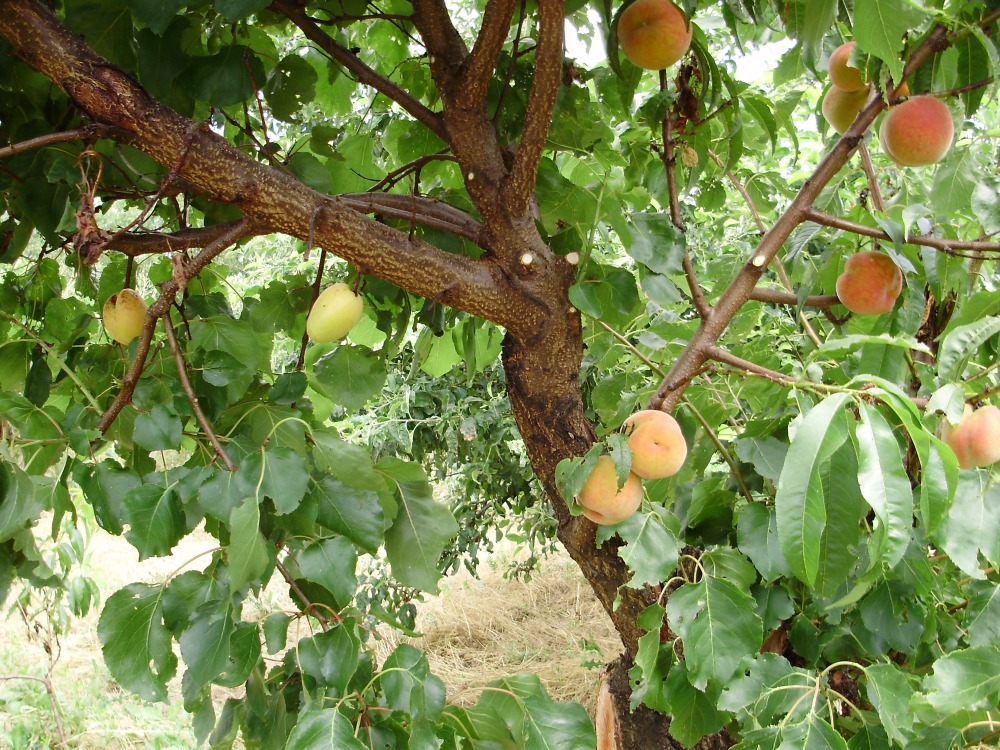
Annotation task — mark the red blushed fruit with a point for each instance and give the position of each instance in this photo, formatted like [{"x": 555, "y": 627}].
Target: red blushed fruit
[
  {"x": 870, "y": 283},
  {"x": 654, "y": 34},
  {"x": 917, "y": 132},
  {"x": 843, "y": 75}
]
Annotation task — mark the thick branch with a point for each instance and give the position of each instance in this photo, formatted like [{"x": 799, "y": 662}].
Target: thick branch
[
  {"x": 939, "y": 243},
  {"x": 153, "y": 243},
  {"x": 520, "y": 184},
  {"x": 477, "y": 70},
  {"x": 777, "y": 297},
  {"x": 271, "y": 200},
  {"x": 366, "y": 75},
  {"x": 425, "y": 211}
]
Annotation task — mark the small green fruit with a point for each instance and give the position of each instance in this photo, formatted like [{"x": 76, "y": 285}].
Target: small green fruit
[{"x": 334, "y": 314}]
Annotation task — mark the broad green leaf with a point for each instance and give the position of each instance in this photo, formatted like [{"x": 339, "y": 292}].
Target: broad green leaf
[
  {"x": 764, "y": 686},
  {"x": 244, "y": 655},
  {"x": 421, "y": 529},
  {"x": 962, "y": 679},
  {"x": 817, "y": 16},
  {"x": 812, "y": 734},
  {"x": 234, "y": 10},
  {"x": 350, "y": 375},
  {"x": 278, "y": 473},
  {"x": 155, "y": 518},
  {"x": 331, "y": 657},
  {"x": 955, "y": 182},
  {"x": 276, "y": 631},
  {"x": 322, "y": 728},
  {"x": 19, "y": 506},
  {"x": 880, "y": 27},
  {"x": 136, "y": 645},
  {"x": 693, "y": 713},
  {"x": 205, "y": 645},
  {"x": 870, "y": 737},
  {"x": 885, "y": 486},
  {"x": 158, "y": 430},
  {"x": 356, "y": 514},
  {"x": 729, "y": 564},
  {"x": 766, "y": 454},
  {"x": 650, "y": 550},
  {"x": 247, "y": 555},
  {"x": 351, "y": 464},
  {"x": 757, "y": 536},
  {"x": 409, "y": 686},
  {"x": 972, "y": 526},
  {"x": 960, "y": 345},
  {"x": 799, "y": 502},
  {"x": 157, "y": 14},
  {"x": 331, "y": 564},
  {"x": 657, "y": 243},
  {"x": 186, "y": 592},
  {"x": 839, "y": 546},
  {"x": 982, "y": 616},
  {"x": 890, "y": 692},
  {"x": 653, "y": 661},
  {"x": 533, "y": 719},
  {"x": 719, "y": 627},
  {"x": 105, "y": 486},
  {"x": 227, "y": 77}
]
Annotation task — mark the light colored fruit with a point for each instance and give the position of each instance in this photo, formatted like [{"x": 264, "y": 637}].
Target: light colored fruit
[
  {"x": 917, "y": 132},
  {"x": 840, "y": 107},
  {"x": 602, "y": 501},
  {"x": 842, "y": 75},
  {"x": 124, "y": 315},
  {"x": 654, "y": 34},
  {"x": 870, "y": 283},
  {"x": 657, "y": 444},
  {"x": 976, "y": 438},
  {"x": 334, "y": 313}
]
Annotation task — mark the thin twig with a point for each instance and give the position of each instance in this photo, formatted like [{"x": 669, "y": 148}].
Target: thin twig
[
  {"x": 719, "y": 446},
  {"x": 220, "y": 451},
  {"x": 86, "y": 133},
  {"x": 53, "y": 700},
  {"x": 866, "y": 164}
]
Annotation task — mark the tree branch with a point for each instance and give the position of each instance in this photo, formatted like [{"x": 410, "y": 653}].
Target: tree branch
[
  {"x": 271, "y": 200},
  {"x": 939, "y": 243},
  {"x": 85, "y": 133},
  {"x": 777, "y": 297},
  {"x": 366, "y": 75},
  {"x": 477, "y": 70},
  {"x": 192, "y": 396},
  {"x": 415, "y": 208},
  {"x": 154, "y": 243},
  {"x": 519, "y": 185}
]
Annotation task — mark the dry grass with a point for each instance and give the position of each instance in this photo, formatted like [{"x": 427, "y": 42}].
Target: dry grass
[{"x": 477, "y": 630}]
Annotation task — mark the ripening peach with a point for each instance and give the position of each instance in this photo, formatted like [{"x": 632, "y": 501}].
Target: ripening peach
[
  {"x": 840, "y": 107},
  {"x": 654, "y": 34},
  {"x": 870, "y": 283},
  {"x": 842, "y": 75},
  {"x": 334, "y": 313},
  {"x": 657, "y": 444},
  {"x": 976, "y": 438},
  {"x": 917, "y": 132},
  {"x": 124, "y": 315},
  {"x": 602, "y": 501}
]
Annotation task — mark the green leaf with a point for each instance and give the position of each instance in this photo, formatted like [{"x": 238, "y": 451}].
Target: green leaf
[
  {"x": 757, "y": 536},
  {"x": 532, "y": 719},
  {"x": 885, "y": 486},
  {"x": 136, "y": 645},
  {"x": 869, "y": 737},
  {"x": 982, "y": 616},
  {"x": 247, "y": 556},
  {"x": 105, "y": 486},
  {"x": 350, "y": 375},
  {"x": 811, "y": 734},
  {"x": 955, "y": 182},
  {"x": 421, "y": 529},
  {"x": 880, "y": 27},
  {"x": 693, "y": 714},
  {"x": 841, "y": 540},
  {"x": 234, "y": 10},
  {"x": 961, "y": 343},
  {"x": 817, "y": 18},
  {"x": 205, "y": 645},
  {"x": 356, "y": 514},
  {"x": 19, "y": 506},
  {"x": 972, "y": 525},
  {"x": 719, "y": 626},
  {"x": 799, "y": 502},
  {"x": 962, "y": 679},
  {"x": 890, "y": 692},
  {"x": 331, "y": 564},
  {"x": 158, "y": 430},
  {"x": 278, "y": 473},
  {"x": 657, "y": 243},
  {"x": 321, "y": 728},
  {"x": 763, "y": 682},
  {"x": 157, "y": 14},
  {"x": 409, "y": 686},
  {"x": 351, "y": 464},
  {"x": 330, "y": 658},
  {"x": 156, "y": 521},
  {"x": 227, "y": 77},
  {"x": 650, "y": 550}
]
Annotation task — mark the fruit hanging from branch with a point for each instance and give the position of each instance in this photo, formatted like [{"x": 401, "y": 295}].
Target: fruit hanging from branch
[
  {"x": 842, "y": 74},
  {"x": 334, "y": 313},
  {"x": 123, "y": 315},
  {"x": 654, "y": 34},
  {"x": 917, "y": 132},
  {"x": 603, "y": 502},
  {"x": 870, "y": 283},
  {"x": 657, "y": 444},
  {"x": 976, "y": 437},
  {"x": 840, "y": 107}
]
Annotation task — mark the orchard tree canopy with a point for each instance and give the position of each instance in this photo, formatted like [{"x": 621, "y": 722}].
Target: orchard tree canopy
[{"x": 585, "y": 236}]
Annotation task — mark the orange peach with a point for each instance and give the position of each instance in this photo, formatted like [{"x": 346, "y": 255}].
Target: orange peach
[
  {"x": 917, "y": 132},
  {"x": 654, "y": 34},
  {"x": 840, "y": 107},
  {"x": 976, "y": 438},
  {"x": 602, "y": 501},
  {"x": 657, "y": 444},
  {"x": 870, "y": 283},
  {"x": 842, "y": 75}
]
